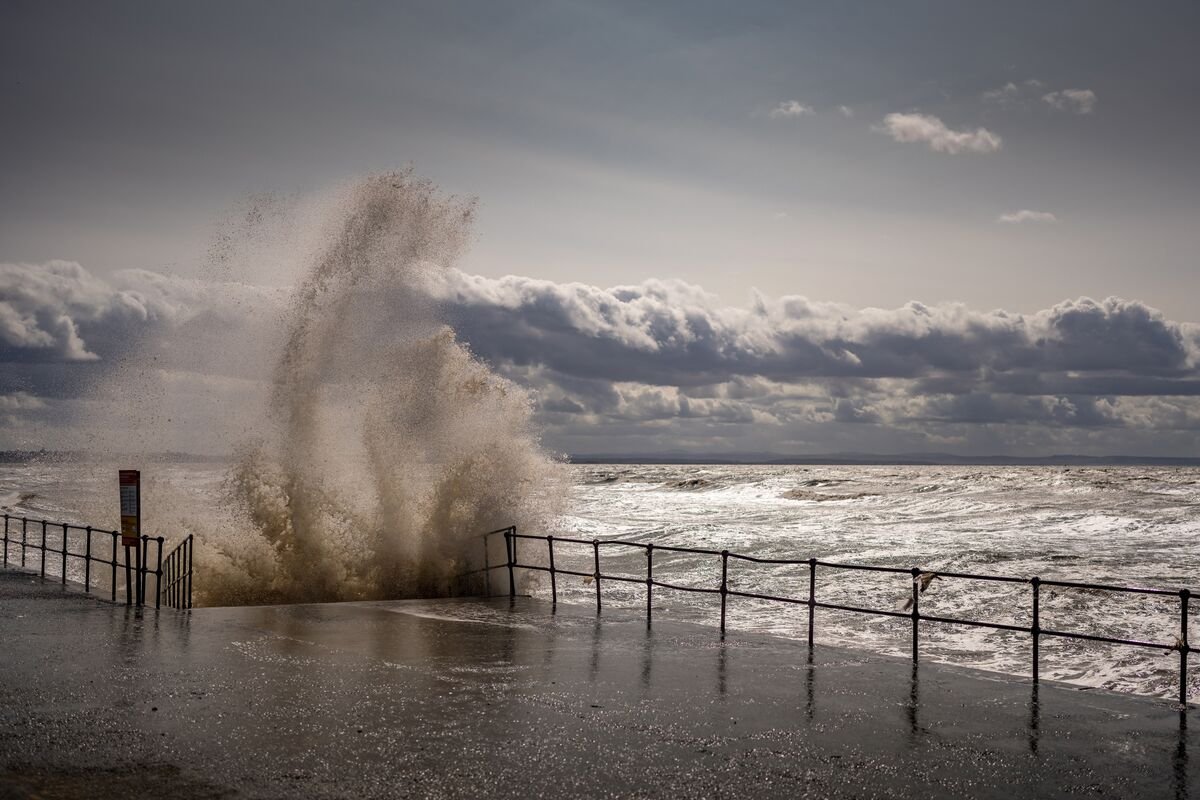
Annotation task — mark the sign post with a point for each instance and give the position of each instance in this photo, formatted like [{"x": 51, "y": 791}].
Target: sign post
[{"x": 131, "y": 526}]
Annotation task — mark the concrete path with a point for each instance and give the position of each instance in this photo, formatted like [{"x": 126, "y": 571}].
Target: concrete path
[{"x": 486, "y": 699}]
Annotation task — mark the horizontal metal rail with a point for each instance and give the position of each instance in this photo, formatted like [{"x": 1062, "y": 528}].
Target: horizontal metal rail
[
  {"x": 134, "y": 561},
  {"x": 919, "y": 580}
]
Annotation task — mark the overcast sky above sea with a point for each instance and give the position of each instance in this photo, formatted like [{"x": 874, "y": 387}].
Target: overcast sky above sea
[{"x": 702, "y": 227}]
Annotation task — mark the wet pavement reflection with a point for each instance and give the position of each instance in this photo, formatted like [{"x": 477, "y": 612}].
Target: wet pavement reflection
[{"x": 452, "y": 698}]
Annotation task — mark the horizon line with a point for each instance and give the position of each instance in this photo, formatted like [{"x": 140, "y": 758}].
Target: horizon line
[{"x": 746, "y": 458}]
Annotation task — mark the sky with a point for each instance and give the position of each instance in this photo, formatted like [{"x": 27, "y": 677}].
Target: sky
[{"x": 702, "y": 227}]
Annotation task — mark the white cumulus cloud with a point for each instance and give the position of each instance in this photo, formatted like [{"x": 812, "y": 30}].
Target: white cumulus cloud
[
  {"x": 789, "y": 109},
  {"x": 1078, "y": 101},
  {"x": 1026, "y": 215},
  {"x": 1013, "y": 94},
  {"x": 940, "y": 138},
  {"x": 1008, "y": 93}
]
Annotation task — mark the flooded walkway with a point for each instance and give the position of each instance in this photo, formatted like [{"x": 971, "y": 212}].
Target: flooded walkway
[{"x": 486, "y": 698}]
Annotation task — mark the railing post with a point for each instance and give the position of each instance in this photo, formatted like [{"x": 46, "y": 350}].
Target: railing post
[
  {"x": 43, "y": 548},
  {"x": 649, "y": 582},
  {"x": 1036, "y": 630},
  {"x": 516, "y": 560},
  {"x": 87, "y": 560},
  {"x": 510, "y": 552},
  {"x": 596, "y": 574},
  {"x": 189, "y": 569},
  {"x": 114, "y": 565},
  {"x": 812, "y": 597},
  {"x": 724, "y": 587},
  {"x": 128, "y": 574},
  {"x": 158, "y": 576},
  {"x": 143, "y": 561},
  {"x": 916, "y": 611},
  {"x": 6, "y": 540},
  {"x": 1184, "y": 596},
  {"x": 553, "y": 574},
  {"x": 64, "y": 555},
  {"x": 24, "y": 538}
]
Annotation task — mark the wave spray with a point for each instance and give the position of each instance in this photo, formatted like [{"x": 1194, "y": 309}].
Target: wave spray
[{"x": 388, "y": 448}]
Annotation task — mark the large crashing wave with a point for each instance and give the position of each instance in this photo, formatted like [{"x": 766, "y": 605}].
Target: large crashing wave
[{"x": 388, "y": 449}]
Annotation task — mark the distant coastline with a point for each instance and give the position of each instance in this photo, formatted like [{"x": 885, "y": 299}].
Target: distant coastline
[
  {"x": 768, "y": 459},
  {"x": 897, "y": 459},
  {"x": 79, "y": 456}
]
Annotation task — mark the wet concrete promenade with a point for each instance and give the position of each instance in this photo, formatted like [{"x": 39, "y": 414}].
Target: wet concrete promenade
[{"x": 483, "y": 699}]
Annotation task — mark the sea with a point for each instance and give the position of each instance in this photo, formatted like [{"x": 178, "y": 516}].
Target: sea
[{"x": 1127, "y": 526}]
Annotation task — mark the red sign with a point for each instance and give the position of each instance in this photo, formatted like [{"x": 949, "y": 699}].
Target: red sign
[{"x": 131, "y": 506}]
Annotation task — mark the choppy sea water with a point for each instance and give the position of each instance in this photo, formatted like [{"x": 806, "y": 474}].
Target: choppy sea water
[{"x": 1127, "y": 526}]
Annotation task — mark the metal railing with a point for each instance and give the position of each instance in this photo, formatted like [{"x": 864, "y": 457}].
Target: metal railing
[
  {"x": 919, "y": 579},
  {"x": 111, "y": 556},
  {"x": 177, "y": 593}
]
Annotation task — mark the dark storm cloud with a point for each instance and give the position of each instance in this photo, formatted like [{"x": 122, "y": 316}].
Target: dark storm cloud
[
  {"x": 673, "y": 334},
  {"x": 61, "y": 327},
  {"x": 60, "y": 312},
  {"x": 986, "y": 408},
  {"x": 668, "y": 351},
  {"x": 44, "y": 307},
  {"x": 846, "y": 410},
  {"x": 662, "y": 353}
]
